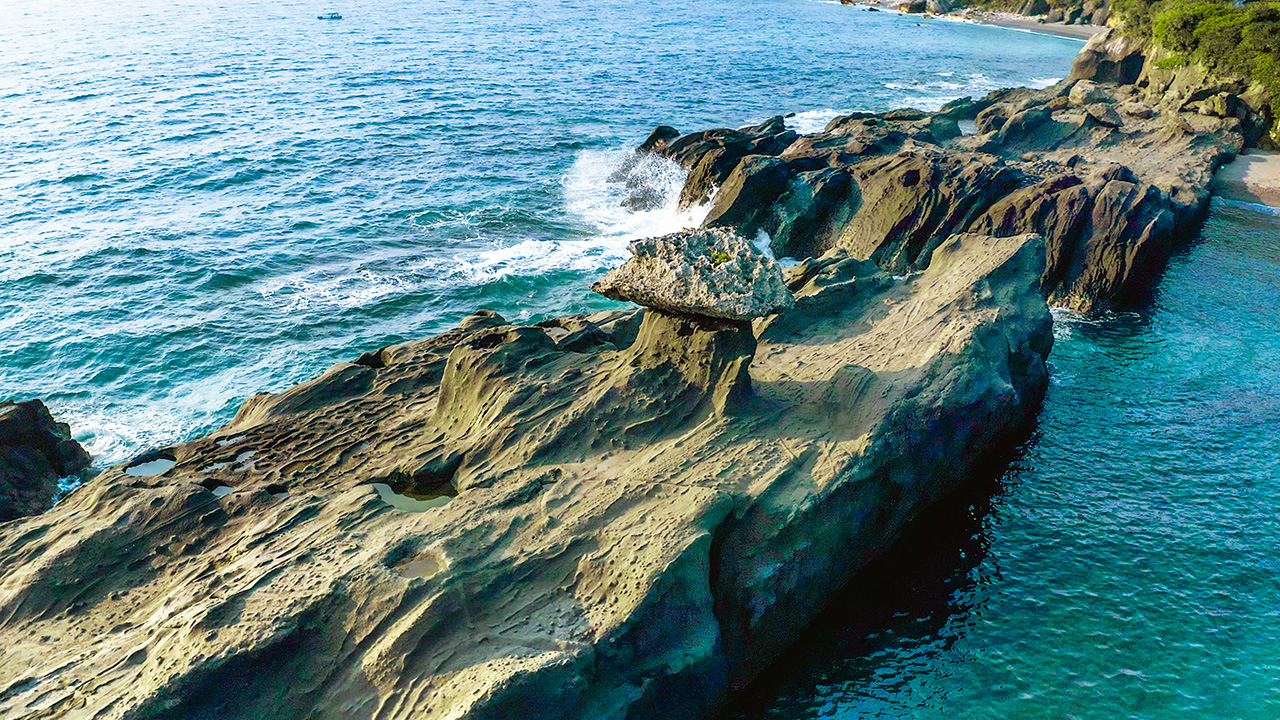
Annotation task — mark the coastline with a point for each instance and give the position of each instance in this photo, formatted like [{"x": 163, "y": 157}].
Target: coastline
[
  {"x": 1253, "y": 177},
  {"x": 629, "y": 511},
  {"x": 1007, "y": 20},
  {"x": 1019, "y": 22}
]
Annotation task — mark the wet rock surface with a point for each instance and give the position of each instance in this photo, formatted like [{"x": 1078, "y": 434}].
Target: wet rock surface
[
  {"x": 35, "y": 452},
  {"x": 711, "y": 273}
]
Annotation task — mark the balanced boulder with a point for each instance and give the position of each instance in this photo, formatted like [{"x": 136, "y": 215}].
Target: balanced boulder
[{"x": 712, "y": 273}]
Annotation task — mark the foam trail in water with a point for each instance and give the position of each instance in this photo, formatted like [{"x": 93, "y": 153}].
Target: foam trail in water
[
  {"x": 812, "y": 121},
  {"x": 591, "y": 196},
  {"x": 930, "y": 95},
  {"x": 114, "y": 434},
  {"x": 1251, "y": 207}
]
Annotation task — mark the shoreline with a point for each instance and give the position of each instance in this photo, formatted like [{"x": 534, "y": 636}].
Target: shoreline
[
  {"x": 1009, "y": 21},
  {"x": 1253, "y": 177}
]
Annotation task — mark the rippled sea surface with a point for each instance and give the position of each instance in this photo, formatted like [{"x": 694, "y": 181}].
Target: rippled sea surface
[
  {"x": 203, "y": 200},
  {"x": 1127, "y": 566}
]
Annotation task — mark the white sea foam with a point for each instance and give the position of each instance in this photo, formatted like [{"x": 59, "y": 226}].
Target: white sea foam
[
  {"x": 812, "y": 121},
  {"x": 931, "y": 95},
  {"x": 1251, "y": 207},
  {"x": 592, "y": 199},
  {"x": 342, "y": 292},
  {"x": 113, "y": 434}
]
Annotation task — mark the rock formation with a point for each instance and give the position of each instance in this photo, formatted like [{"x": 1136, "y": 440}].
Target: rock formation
[
  {"x": 35, "y": 452},
  {"x": 628, "y": 514},
  {"x": 620, "y": 515},
  {"x": 1114, "y": 176},
  {"x": 709, "y": 273}
]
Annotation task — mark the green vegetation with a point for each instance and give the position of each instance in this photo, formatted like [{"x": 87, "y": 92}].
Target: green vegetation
[
  {"x": 1171, "y": 63},
  {"x": 1242, "y": 41},
  {"x": 719, "y": 258}
]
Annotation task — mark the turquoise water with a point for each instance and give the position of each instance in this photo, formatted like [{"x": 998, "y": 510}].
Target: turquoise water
[
  {"x": 1128, "y": 565},
  {"x": 203, "y": 200}
]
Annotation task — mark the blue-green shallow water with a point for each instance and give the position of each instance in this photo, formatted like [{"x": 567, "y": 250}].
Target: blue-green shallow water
[
  {"x": 202, "y": 200},
  {"x": 1127, "y": 565}
]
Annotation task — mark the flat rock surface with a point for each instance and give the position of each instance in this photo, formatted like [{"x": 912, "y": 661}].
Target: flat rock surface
[{"x": 710, "y": 273}]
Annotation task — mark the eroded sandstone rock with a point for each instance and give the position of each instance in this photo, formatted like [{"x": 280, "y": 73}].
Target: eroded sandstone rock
[
  {"x": 615, "y": 516},
  {"x": 891, "y": 187}
]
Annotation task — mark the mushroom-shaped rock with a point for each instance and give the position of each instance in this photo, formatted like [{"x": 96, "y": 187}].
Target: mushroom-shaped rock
[{"x": 711, "y": 273}]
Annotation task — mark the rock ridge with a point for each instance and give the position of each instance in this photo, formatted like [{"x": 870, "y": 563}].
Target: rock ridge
[
  {"x": 625, "y": 514},
  {"x": 1112, "y": 167}
]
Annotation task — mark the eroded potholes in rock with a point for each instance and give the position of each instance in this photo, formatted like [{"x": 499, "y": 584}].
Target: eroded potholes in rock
[
  {"x": 423, "y": 566},
  {"x": 411, "y": 502},
  {"x": 152, "y": 463}
]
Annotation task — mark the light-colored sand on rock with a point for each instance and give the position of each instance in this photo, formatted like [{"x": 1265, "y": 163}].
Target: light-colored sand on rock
[
  {"x": 647, "y": 509},
  {"x": 1253, "y": 177}
]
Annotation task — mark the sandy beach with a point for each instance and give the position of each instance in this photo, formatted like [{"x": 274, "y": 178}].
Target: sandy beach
[
  {"x": 1253, "y": 177},
  {"x": 1019, "y": 22},
  {"x": 999, "y": 19}
]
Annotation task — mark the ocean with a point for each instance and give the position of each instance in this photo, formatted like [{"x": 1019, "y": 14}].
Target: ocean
[{"x": 201, "y": 201}]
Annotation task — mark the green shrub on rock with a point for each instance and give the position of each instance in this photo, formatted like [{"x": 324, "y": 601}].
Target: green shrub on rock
[{"x": 1242, "y": 41}]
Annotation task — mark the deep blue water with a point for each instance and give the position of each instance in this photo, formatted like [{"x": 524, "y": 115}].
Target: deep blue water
[
  {"x": 202, "y": 200},
  {"x": 205, "y": 200}
]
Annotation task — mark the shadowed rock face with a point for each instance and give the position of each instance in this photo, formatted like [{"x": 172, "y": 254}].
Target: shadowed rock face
[
  {"x": 1114, "y": 176},
  {"x": 35, "y": 451},
  {"x": 617, "y": 515},
  {"x": 709, "y": 273}
]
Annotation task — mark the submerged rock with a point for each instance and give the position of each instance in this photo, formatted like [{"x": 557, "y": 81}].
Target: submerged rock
[
  {"x": 711, "y": 273},
  {"x": 35, "y": 451}
]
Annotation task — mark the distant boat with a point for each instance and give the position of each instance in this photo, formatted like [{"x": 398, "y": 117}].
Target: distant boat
[{"x": 329, "y": 16}]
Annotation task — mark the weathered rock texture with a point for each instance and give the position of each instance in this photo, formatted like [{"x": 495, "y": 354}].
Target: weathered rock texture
[
  {"x": 711, "y": 273},
  {"x": 645, "y": 509},
  {"x": 35, "y": 451},
  {"x": 1114, "y": 176},
  {"x": 631, "y": 512}
]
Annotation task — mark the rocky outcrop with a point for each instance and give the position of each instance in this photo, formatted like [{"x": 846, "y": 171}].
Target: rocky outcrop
[
  {"x": 628, "y": 514},
  {"x": 621, "y": 515},
  {"x": 35, "y": 452},
  {"x": 1111, "y": 57},
  {"x": 1114, "y": 176},
  {"x": 707, "y": 273}
]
